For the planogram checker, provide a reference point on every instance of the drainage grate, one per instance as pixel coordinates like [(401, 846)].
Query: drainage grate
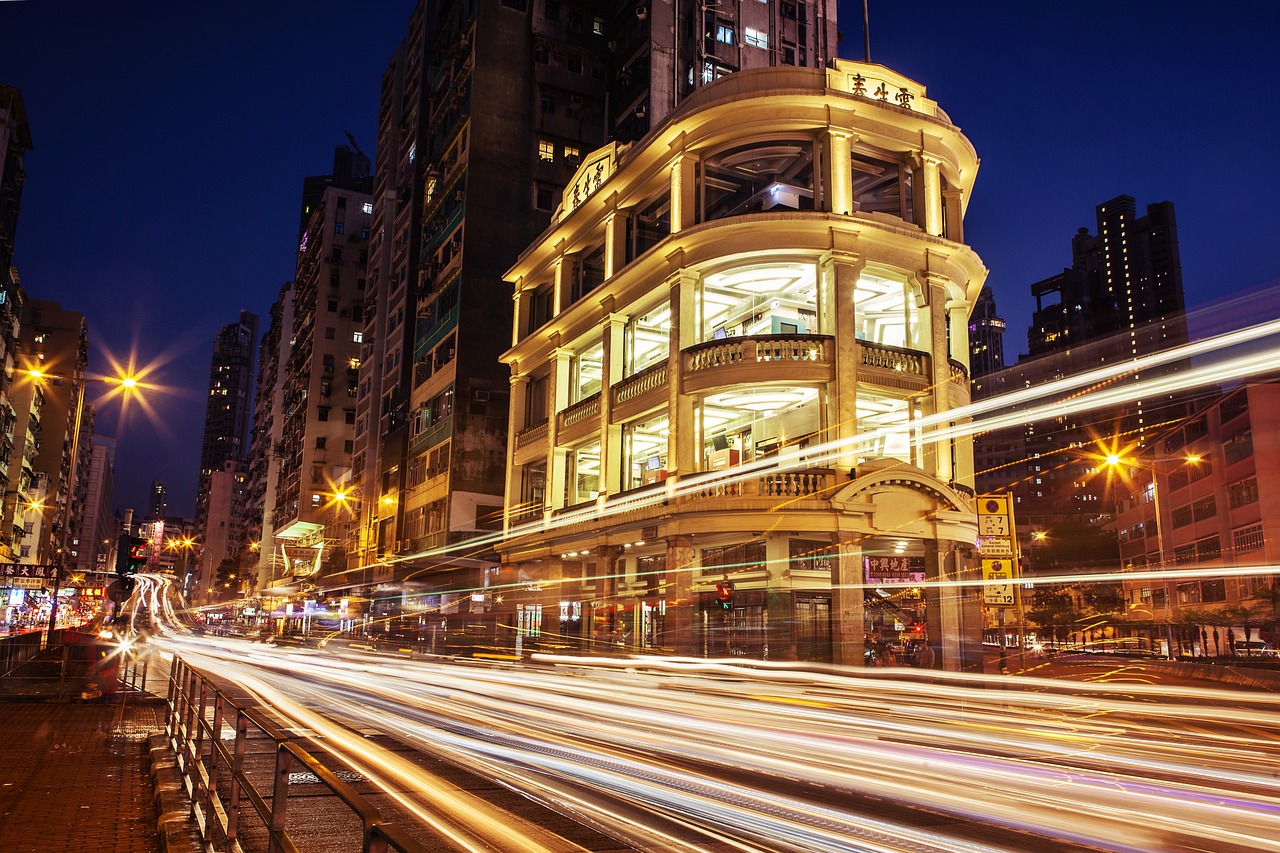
[(308, 778)]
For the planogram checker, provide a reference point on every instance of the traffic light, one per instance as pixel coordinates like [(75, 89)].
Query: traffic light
[(724, 595), (131, 554)]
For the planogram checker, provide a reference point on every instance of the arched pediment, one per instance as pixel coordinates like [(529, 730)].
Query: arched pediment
[(894, 496)]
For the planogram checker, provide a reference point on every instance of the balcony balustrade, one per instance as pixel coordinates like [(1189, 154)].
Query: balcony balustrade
[(577, 420), (758, 359)]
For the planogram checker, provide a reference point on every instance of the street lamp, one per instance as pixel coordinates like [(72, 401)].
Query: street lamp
[(1115, 460), (127, 384)]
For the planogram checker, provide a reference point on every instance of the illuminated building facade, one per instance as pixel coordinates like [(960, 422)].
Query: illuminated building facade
[(227, 437), (267, 450), (724, 351), (318, 371), (55, 342), (15, 141), (1220, 510), (473, 157)]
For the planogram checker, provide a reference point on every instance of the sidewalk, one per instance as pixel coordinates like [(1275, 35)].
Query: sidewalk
[(76, 777), (81, 776)]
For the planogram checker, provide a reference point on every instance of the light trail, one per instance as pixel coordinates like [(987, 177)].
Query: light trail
[(959, 422), (649, 748)]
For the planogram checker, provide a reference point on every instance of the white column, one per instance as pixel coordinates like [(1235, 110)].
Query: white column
[(610, 433), (838, 177), (682, 436), (684, 193)]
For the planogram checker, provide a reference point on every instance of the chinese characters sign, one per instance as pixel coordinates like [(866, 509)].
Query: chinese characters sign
[(894, 569), (17, 576)]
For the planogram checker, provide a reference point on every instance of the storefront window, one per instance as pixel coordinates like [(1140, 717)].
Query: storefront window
[(647, 339), (749, 423), (582, 476), (588, 367), (644, 452), (761, 299)]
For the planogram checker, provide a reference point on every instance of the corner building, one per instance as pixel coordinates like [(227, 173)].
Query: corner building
[(719, 440)]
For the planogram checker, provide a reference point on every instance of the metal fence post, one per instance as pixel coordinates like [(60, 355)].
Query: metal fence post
[(279, 798)]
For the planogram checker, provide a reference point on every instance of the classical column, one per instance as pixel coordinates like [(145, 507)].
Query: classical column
[(682, 450), (953, 614), (678, 594), (615, 242), (953, 203), (838, 175), (564, 269), (848, 621), (611, 371), (962, 447), (523, 300), (605, 618), (931, 193), (517, 416), (840, 270), (684, 192), (561, 360), (779, 599), (937, 455)]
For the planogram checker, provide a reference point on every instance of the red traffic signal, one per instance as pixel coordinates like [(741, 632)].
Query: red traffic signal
[(132, 553)]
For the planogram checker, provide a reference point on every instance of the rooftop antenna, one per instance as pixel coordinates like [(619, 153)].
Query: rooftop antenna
[(866, 33)]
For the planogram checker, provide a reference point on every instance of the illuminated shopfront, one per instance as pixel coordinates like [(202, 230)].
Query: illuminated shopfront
[(729, 351)]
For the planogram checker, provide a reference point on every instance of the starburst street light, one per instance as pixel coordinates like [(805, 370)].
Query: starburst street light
[(127, 385)]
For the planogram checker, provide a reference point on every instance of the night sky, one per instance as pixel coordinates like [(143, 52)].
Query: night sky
[(171, 141)]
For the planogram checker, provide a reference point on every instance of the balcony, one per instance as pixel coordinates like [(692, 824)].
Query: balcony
[(639, 393), (578, 420), (762, 359), (893, 367), (797, 490)]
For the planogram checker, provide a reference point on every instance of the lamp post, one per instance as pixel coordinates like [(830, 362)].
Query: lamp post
[(127, 383), (1114, 460)]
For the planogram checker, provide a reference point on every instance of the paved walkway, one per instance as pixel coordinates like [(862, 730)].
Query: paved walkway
[(74, 777)]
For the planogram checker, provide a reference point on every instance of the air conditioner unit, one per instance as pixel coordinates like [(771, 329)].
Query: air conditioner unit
[(642, 12), (480, 395), (641, 112)]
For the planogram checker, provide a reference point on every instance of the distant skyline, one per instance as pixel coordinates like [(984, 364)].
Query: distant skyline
[(170, 145)]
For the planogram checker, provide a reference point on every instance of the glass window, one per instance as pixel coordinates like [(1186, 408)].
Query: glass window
[(647, 339), (756, 38), (724, 34), (588, 367), (644, 451), (582, 473), (760, 300), (546, 150)]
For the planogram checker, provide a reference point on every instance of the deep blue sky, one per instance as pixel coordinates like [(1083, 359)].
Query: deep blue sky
[(171, 140)]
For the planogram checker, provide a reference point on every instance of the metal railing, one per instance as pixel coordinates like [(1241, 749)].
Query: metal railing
[(203, 756)]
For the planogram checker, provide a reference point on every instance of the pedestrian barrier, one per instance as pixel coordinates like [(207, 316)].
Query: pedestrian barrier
[(198, 712)]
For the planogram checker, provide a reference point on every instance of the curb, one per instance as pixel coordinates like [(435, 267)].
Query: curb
[(176, 829)]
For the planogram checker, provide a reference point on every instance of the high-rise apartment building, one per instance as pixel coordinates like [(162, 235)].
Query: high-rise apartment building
[(474, 157), (15, 141), (92, 543), (268, 440), (662, 51), (1206, 494), (318, 373), (158, 500), (227, 426), (986, 343), (1121, 298), (46, 390)]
